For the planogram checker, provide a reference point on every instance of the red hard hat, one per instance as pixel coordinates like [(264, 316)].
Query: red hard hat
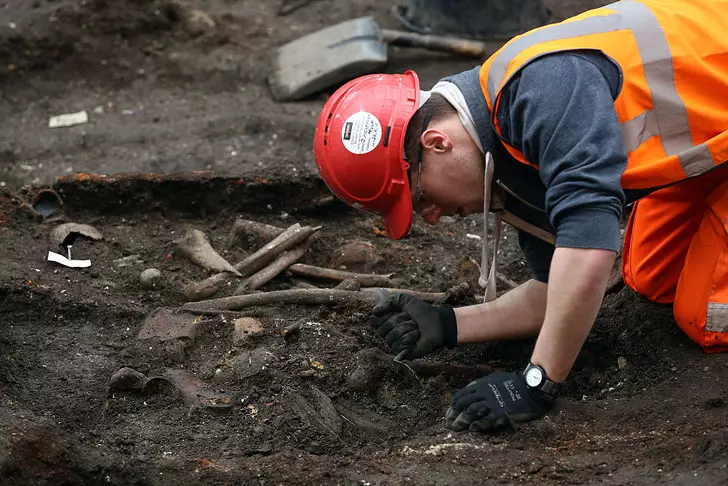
[(359, 145)]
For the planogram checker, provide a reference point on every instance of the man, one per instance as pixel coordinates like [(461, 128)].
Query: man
[(623, 103)]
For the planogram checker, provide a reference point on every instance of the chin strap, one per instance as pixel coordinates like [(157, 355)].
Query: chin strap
[(487, 270)]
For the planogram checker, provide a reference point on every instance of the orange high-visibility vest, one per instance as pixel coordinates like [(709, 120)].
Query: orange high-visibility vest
[(673, 105)]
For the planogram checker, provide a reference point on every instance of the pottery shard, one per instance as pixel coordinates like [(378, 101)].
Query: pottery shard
[(128, 379), (246, 328), (63, 231), (356, 256)]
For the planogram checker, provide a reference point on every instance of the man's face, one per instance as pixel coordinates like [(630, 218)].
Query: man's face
[(450, 175)]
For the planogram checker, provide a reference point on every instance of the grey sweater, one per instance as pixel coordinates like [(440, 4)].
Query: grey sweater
[(559, 112)]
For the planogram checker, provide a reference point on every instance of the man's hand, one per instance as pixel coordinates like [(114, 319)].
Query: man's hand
[(408, 323), (494, 401)]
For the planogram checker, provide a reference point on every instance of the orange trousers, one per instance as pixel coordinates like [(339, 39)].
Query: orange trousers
[(676, 251)]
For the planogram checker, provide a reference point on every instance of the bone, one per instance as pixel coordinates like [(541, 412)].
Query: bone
[(366, 280), (294, 235), (287, 239), (302, 284), (252, 234), (205, 289), (196, 246), (300, 297), (279, 265), (505, 280), (432, 297)]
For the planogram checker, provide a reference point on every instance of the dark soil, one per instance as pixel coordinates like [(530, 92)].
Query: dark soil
[(643, 405)]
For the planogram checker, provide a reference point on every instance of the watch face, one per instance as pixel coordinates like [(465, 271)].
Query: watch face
[(534, 377)]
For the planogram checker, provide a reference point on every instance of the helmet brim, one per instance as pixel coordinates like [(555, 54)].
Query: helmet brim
[(398, 220)]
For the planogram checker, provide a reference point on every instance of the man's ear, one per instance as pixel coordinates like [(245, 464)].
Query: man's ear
[(436, 140)]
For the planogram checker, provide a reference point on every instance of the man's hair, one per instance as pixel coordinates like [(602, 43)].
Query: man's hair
[(436, 108)]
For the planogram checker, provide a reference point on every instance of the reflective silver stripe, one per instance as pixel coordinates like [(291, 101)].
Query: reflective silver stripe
[(716, 319), (637, 130), (696, 160), (672, 117), (668, 119), (590, 25)]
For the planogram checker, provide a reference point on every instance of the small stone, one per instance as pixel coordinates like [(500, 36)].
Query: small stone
[(356, 256), (622, 362), (150, 277), (251, 363), (223, 374), (199, 22), (245, 329)]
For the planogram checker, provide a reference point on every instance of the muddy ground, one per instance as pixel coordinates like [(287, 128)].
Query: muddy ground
[(169, 92)]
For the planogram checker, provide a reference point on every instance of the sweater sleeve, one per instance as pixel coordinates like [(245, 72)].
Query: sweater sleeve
[(562, 117)]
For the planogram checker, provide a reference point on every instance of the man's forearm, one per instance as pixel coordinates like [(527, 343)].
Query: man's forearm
[(514, 315), (577, 282)]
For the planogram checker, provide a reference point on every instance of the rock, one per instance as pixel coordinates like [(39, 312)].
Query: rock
[(128, 379), (170, 324), (199, 22), (245, 329), (622, 362), (251, 363), (469, 271), (356, 256), (150, 277), (367, 373)]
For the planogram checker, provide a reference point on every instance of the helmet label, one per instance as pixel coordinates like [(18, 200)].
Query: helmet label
[(362, 132)]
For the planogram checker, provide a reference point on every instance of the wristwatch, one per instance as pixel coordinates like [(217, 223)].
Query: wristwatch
[(536, 379)]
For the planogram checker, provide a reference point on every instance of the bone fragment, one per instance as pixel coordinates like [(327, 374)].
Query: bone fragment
[(294, 235), (278, 266), (364, 279), (252, 234), (300, 297), (205, 289), (196, 246)]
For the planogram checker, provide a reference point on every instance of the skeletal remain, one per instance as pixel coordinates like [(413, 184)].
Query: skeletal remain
[(505, 280), (301, 297), (252, 234), (278, 266), (302, 284), (287, 239), (205, 289), (364, 279), (294, 235), (196, 246)]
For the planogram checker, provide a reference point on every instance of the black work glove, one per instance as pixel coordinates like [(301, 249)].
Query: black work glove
[(494, 401), (409, 324)]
